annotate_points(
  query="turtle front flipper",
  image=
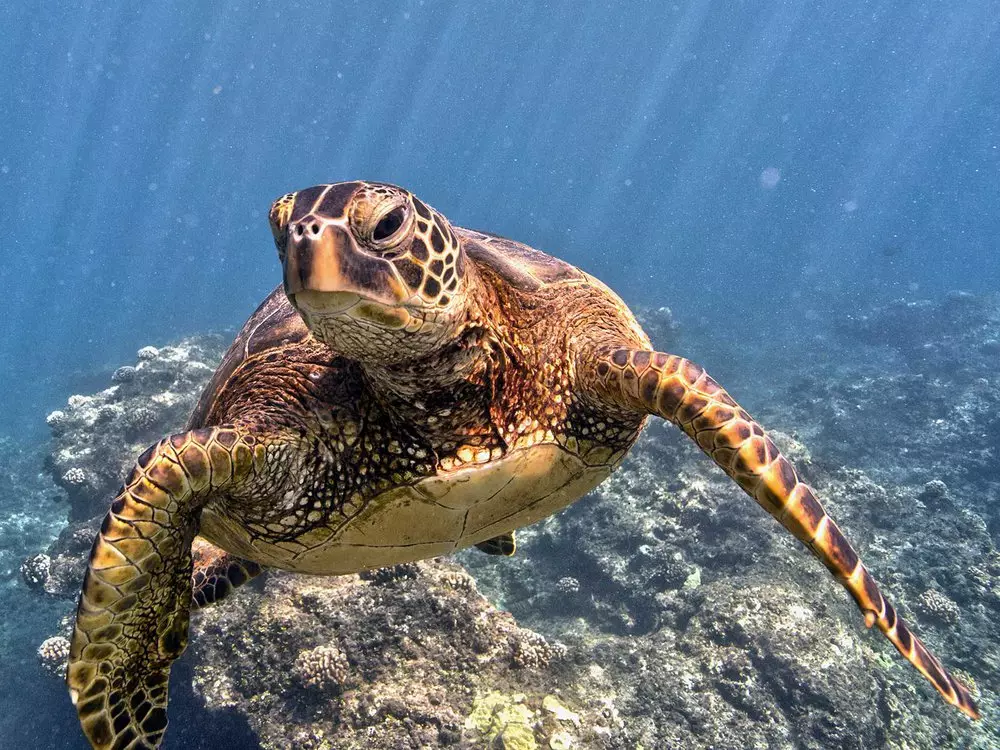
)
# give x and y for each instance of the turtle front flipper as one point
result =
(132, 619)
(216, 573)
(682, 392)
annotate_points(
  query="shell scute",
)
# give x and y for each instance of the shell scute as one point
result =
(521, 266)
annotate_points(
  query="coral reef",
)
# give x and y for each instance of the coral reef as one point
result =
(32, 515)
(399, 663)
(654, 548)
(61, 572)
(504, 721)
(35, 570)
(96, 438)
(918, 370)
(936, 607)
(664, 610)
(938, 334)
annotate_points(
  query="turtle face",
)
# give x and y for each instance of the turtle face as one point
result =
(372, 270)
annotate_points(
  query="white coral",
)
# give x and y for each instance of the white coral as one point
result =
(75, 476)
(323, 667)
(53, 655)
(533, 651)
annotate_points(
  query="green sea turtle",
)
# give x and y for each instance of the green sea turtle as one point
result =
(413, 389)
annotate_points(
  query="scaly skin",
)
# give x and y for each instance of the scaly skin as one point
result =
(132, 619)
(215, 573)
(682, 392)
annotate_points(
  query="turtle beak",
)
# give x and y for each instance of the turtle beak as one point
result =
(324, 265)
(314, 257)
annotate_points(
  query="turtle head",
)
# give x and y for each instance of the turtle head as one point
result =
(373, 271)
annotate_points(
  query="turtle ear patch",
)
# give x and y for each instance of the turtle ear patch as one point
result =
(419, 250)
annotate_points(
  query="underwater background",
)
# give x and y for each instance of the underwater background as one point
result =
(811, 188)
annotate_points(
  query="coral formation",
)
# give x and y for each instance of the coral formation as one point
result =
(503, 721)
(568, 585)
(935, 494)
(53, 654)
(35, 570)
(96, 438)
(74, 476)
(359, 664)
(688, 618)
(383, 576)
(56, 420)
(533, 651)
(124, 374)
(936, 607)
(323, 667)
(60, 572)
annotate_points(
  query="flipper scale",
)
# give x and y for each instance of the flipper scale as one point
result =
(132, 618)
(217, 573)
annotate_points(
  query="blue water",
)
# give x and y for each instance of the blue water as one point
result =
(142, 143)
(745, 163)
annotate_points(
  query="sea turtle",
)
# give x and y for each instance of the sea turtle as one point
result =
(413, 389)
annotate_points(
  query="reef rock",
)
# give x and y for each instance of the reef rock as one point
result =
(664, 610)
(408, 661)
(95, 438)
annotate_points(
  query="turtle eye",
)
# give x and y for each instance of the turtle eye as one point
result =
(389, 224)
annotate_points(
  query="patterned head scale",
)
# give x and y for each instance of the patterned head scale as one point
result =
(372, 269)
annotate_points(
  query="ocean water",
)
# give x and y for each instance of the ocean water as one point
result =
(762, 169)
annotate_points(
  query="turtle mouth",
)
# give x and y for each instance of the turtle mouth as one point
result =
(325, 303)
(315, 305)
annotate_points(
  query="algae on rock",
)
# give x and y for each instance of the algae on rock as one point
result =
(503, 721)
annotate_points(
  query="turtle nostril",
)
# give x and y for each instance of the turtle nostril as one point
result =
(311, 229)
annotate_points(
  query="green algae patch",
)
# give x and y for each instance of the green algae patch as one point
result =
(503, 721)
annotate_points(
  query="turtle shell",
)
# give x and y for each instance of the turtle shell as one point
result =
(275, 323)
(521, 266)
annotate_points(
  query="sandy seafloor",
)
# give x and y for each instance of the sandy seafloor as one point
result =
(664, 610)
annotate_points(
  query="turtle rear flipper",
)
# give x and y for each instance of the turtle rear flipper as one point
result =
(132, 619)
(504, 544)
(216, 573)
(682, 392)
